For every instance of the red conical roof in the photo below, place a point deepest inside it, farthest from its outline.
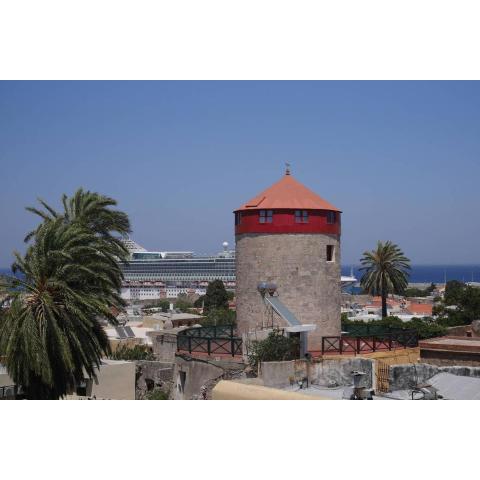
(288, 193)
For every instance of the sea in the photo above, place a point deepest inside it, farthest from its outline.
(418, 273)
(431, 273)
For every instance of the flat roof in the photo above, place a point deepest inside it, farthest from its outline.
(460, 344)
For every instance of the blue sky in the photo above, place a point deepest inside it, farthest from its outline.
(401, 159)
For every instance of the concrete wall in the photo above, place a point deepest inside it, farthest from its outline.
(164, 346)
(307, 284)
(404, 377)
(115, 380)
(331, 373)
(191, 375)
(326, 373)
(5, 380)
(282, 374)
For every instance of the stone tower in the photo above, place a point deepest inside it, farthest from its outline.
(290, 236)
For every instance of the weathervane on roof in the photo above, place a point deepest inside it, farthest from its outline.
(287, 168)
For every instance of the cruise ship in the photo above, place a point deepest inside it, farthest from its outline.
(154, 275)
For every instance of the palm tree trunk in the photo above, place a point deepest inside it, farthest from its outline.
(384, 302)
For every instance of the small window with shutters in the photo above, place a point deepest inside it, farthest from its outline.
(301, 216)
(331, 217)
(266, 216)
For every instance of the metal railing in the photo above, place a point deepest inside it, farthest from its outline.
(214, 331)
(214, 340)
(370, 343)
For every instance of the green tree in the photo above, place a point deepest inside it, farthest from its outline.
(454, 292)
(416, 292)
(183, 303)
(199, 302)
(94, 212)
(216, 296)
(219, 316)
(426, 327)
(460, 306)
(50, 335)
(386, 271)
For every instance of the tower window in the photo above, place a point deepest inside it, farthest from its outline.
(238, 218)
(266, 216)
(301, 216)
(330, 253)
(331, 217)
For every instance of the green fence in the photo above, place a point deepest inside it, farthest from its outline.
(362, 330)
(215, 331)
(214, 340)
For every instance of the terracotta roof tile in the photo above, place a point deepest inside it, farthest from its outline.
(420, 308)
(288, 193)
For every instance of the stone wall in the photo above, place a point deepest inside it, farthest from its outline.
(152, 375)
(326, 373)
(404, 377)
(194, 377)
(331, 373)
(307, 284)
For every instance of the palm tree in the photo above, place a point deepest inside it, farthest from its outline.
(93, 211)
(50, 335)
(386, 271)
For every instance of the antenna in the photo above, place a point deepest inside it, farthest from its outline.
(287, 168)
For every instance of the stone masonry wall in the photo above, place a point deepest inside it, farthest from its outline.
(326, 373)
(307, 284)
(404, 377)
(152, 375)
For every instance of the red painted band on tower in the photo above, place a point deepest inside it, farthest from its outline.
(285, 221)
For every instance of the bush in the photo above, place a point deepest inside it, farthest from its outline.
(156, 395)
(137, 352)
(163, 304)
(426, 327)
(183, 306)
(276, 347)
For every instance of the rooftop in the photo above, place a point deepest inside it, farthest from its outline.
(458, 344)
(288, 193)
